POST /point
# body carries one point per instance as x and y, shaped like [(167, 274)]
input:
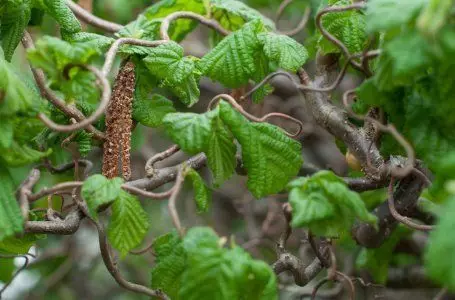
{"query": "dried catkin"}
[(117, 143)]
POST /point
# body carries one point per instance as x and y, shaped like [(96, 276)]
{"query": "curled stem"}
[(302, 23), (173, 199), (149, 165)]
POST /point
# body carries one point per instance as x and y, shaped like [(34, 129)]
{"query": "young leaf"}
[(284, 51), (11, 220), (20, 245), (270, 157), (232, 61), (129, 223), (178, 73), (202, 194), (151, 112), (6, 133), (324, 204), (387, 14), (220, 151), (217, 273), (63, 15), (98, 192), (189, 130), (14, 18), (439, 257), (21, 154), (170, 263), (233, 14), (347, 26)]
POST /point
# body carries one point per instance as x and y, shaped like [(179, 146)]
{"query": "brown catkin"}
[(119, 123)]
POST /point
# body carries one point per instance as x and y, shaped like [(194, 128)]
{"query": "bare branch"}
[(23, 267), (189, 15), (93, 20), (25, 190), (302, 23), (149, 169), (172, 200)]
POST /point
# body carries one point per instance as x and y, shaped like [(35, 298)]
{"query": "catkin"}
[(117, 143)]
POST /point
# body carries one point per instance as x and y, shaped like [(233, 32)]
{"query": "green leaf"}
[(220, 151), (129, 223), (16, 95), (141, 28), (7, 268), (202, 194), (232, 61), (63, 15), (11, 220), (22, 154), (324, 204), (270, 157), (217, 273), (151, 112), (14, 17), (99, 192), (347, 26), (387, 14), (178, 73), (189, 130), (97, 41), (284, 51), (6, 133), (20, 245), (233, 14), (84, 142), (434, 16), (170, 258)]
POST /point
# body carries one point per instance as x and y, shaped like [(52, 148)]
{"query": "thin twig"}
[(172, 201), (91, 19), (300, 26), (149, 165), (25, 190), (189, 15), (23, 267), (249, 116), (402, 219)]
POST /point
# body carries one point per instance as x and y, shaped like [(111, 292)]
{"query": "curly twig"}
[(23, 267), (300, 26), (400, 218), (172, 200), (189, 15), (91, 19), (249, 116), (149, 169)]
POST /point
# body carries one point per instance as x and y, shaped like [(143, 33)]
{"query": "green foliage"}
[(150, 111), (14, 17), (63, 15), (270, 157), (439, 257), (203, 269), (7, 268), (434, 16), (128, 224), (377, 260), (325, 205), (176, 72), (11, 221), (202, 194), (99, 192), (233, 14), (346, 26), (20, 245)]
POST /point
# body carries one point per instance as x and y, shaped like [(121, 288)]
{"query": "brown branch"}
[(172, 201), (25, 190), (302, 23), (70, 111), (189, 15), (93, 20), (149, 165)]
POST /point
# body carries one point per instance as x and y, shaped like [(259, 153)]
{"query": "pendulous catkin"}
[(117, 144)]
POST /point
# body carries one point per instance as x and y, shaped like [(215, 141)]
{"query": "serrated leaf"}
[(11, 220), (217, 273), (284, 51), (232, 61), (440, 250), (63, 15), (151, 112), (99, 192), (21, 154), (6, 133), (386, 14), (97, 41), (270, 157), (189, 130), (220, 151), (170, 264), (178, 73), (129, 223), (141, 28), (20, 245), (324, 204), (14, 17), (84, 142), (233, 14), (202, 194), (347, 26)]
